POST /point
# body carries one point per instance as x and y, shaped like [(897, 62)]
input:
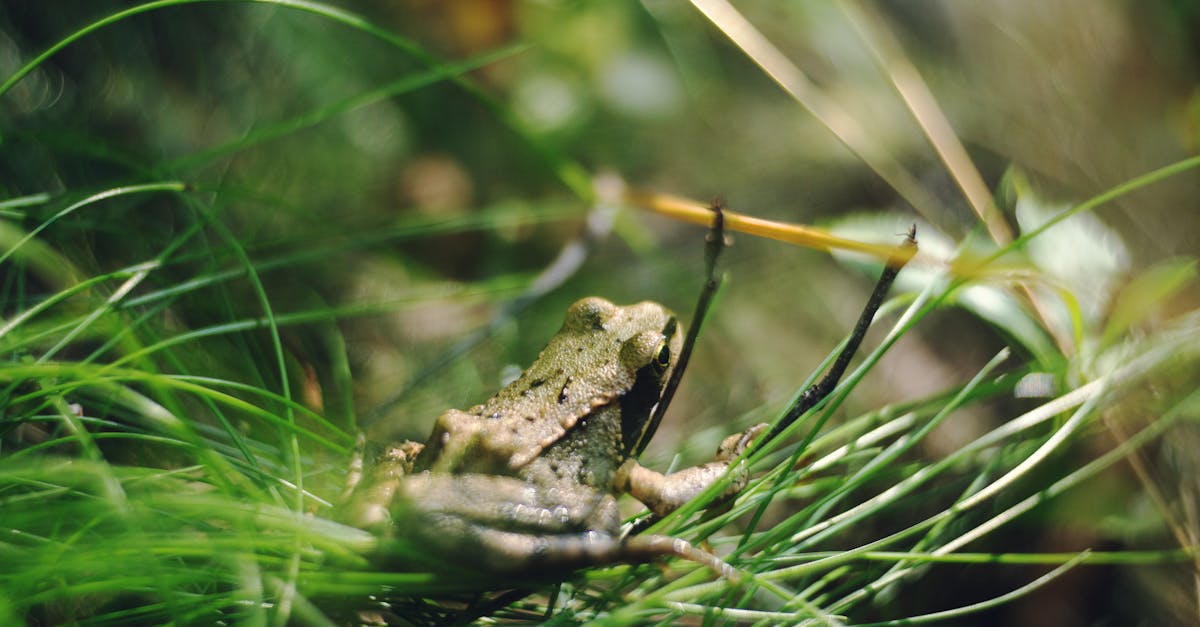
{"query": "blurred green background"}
[(407, 210)]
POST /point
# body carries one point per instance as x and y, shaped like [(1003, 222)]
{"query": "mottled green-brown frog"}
[(527, 482)]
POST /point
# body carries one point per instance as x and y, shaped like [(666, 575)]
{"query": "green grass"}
[(186, 341)]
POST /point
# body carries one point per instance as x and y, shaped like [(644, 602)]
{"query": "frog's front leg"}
[(666, 493)]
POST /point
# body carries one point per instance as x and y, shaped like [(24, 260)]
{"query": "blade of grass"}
[(975, 608), (146, 188), (574, 176), (316, 116)]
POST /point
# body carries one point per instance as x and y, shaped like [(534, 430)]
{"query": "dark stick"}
[(714, 243), (821, 389)]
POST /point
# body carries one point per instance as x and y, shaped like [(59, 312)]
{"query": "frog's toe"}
[(736, 444)]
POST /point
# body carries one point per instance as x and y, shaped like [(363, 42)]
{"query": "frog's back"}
[(592, 362)]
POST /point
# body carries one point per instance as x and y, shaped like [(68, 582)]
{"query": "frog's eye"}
[(662, 357), (647, 351)]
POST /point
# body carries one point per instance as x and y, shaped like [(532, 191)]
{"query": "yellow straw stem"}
[(688, 210)]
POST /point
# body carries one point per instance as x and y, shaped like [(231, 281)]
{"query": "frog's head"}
[(650, 340)]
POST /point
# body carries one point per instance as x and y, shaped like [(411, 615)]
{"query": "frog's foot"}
[(734, 445), (666, 493)]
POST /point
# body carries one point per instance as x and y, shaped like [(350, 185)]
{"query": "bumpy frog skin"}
[(526, 483)]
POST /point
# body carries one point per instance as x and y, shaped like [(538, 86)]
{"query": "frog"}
[(526, 483)]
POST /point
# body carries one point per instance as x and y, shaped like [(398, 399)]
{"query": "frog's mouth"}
[(643, 405)]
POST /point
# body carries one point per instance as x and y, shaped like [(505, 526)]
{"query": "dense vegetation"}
[(233, 235)]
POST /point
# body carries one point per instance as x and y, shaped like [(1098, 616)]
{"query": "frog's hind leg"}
[(534, 555), (480, 548)]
